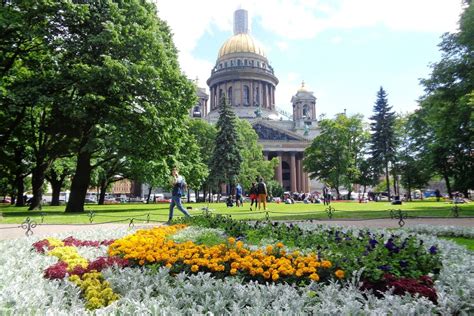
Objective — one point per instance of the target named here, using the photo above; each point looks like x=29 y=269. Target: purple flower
x=403 y=263
x=433 y=250
x=385 y=267
x=373 y=242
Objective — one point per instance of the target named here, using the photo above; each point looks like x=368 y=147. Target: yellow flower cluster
x=54 y=242
x=69 y=255
x=95 y=289
x=151 y=246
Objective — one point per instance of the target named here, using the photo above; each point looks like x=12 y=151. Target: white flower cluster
x=444 y=231
x=24 y=291
x=192 y=233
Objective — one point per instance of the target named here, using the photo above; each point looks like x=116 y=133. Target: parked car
x=5 y=200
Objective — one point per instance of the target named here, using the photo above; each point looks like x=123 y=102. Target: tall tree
x=382 y=142
x=125 y=86
x=334 y=154
x=226 y=159
x=253 y=162
x=446 y=110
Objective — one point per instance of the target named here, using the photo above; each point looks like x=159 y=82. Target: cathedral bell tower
x=304 y=109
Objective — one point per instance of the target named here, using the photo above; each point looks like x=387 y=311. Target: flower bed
x=149 y=287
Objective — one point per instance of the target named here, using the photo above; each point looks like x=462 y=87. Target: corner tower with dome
x=244 y=76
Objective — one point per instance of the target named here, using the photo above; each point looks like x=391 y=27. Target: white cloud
x=283 y=46
x=336 y=40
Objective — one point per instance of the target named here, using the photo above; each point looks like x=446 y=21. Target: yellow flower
x=269 y=249
x=326 y=264
x=194 y=268
x=340 y=274
x=231 y=240
x=266 y=275
x=275 y=276
x=314 y=277
x=233 y=271
x=280 y=245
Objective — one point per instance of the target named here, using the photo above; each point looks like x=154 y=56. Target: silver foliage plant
x=24 y=291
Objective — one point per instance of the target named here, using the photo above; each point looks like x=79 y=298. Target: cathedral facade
x=244 y=76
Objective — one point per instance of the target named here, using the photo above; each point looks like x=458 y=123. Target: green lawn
x=299 y=211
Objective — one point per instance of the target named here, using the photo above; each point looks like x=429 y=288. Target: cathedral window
x=245 y=62
x=239 y=62
x=246 y=96
x=305 y=111
x=258 y=64
x=257 y=96
x=229 y=95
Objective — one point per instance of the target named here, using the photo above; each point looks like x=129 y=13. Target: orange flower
x=275 y=276
x=231 y=240
x=340 y=274
x=280 y=245
x=314 y=277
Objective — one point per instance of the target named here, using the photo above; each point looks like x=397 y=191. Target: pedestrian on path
x=179 y=186
x=262 y=194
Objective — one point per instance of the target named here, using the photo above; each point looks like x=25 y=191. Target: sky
x=344 y=50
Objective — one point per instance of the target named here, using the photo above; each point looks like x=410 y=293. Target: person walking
x=325 y=195
x=238 y=195
x=179 y=186
x=262 y=194
x=253 y=195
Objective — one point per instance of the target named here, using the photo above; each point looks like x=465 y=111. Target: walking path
x=10 y=231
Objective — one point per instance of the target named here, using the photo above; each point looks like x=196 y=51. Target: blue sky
x=344 y=50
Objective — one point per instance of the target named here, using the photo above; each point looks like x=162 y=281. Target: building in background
x=244 y=76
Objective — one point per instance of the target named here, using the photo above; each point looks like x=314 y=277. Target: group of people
x=258 y=193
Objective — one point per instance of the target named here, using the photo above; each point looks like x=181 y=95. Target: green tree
x=382 y=142
x=57 y=175
x=413 y=165
x=205 y=136
x=226 y=158
x=446 y=110
x=334 y=155
x=254 y=163
x=126 y=94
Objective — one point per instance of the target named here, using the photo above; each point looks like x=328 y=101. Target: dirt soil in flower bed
x=10 y=231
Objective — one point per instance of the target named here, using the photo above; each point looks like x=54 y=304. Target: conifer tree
x=382 y=142
x=226 y=159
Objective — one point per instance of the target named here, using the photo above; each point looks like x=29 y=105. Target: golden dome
x=302 y=89
x=241 y=43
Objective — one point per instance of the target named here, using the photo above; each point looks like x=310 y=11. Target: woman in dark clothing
x=253 y=195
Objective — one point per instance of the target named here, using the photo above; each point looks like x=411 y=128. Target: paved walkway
x=9 y=231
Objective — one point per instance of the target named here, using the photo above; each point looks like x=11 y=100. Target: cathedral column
x=279 y=171
x=264 y=95
x=298 y=173
x=293 y=172
x=241 y=93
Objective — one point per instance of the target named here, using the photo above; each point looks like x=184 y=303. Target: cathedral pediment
x=266 y=131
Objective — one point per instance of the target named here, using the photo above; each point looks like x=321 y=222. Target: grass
x=466 y=242
x=159 y=212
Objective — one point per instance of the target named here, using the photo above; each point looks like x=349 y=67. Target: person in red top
x=253 y=195
x=262 y=194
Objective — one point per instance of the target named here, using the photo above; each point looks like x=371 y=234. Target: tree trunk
x=80 y=183
x=56 y=186
x=19 y=183
x=37 y=181
x=149 y=195
x=387 y=178
x=103 y=188
x=20 y=189
x=349 y=193
x=395 y=193
x=448 y=185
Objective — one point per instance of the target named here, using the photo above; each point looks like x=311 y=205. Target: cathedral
x=243 y=74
